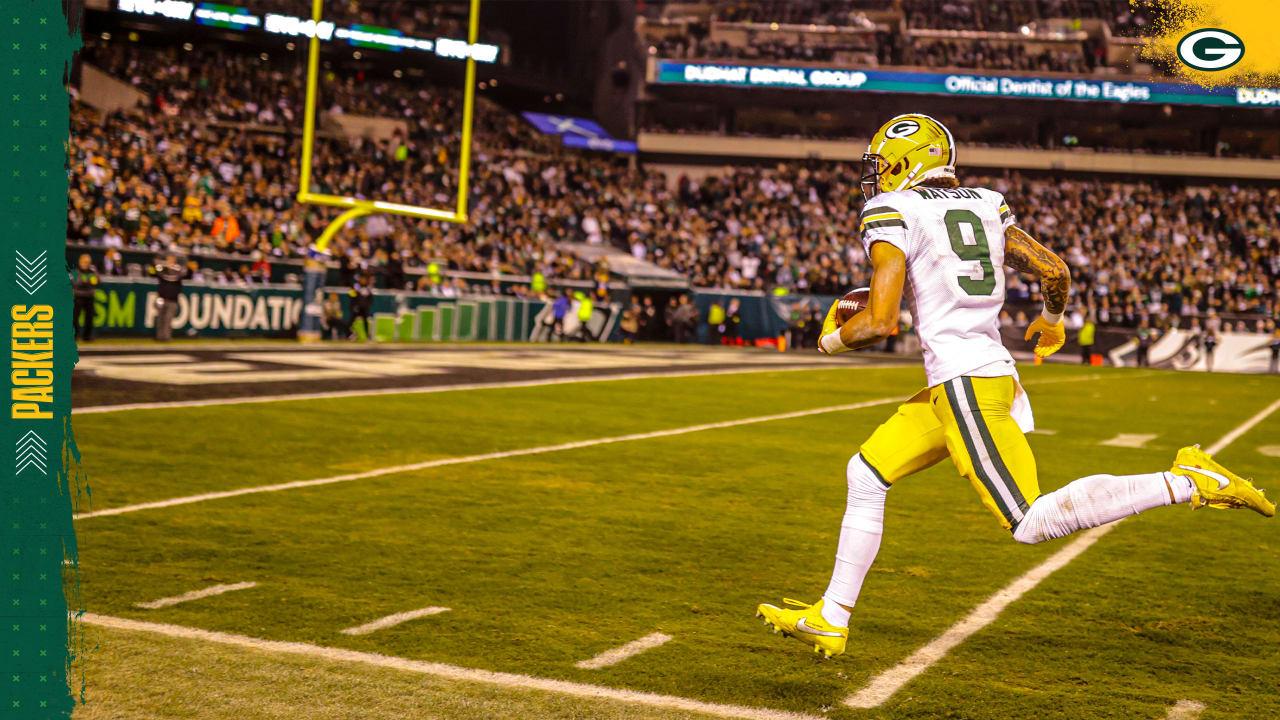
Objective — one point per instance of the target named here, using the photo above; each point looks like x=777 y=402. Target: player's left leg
x=909 y=441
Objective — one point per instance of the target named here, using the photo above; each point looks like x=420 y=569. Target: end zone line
x=622 y=652
x=880 y=688
x=419 y=389
x=442 y=462
x=448 y=672
x=393 y=620
x=195 y=595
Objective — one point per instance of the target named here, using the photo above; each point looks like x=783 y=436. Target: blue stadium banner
x=578 y=132
x=41 y=646
x=565 y=125
x=605 y=144
x=1003 y=86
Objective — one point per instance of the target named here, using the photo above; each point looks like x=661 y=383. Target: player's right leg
x=990 y=449
x=1195 y=478
x=906 y=443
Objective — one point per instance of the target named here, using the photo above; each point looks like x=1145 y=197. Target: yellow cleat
x=806 y=625
x=1218 y=487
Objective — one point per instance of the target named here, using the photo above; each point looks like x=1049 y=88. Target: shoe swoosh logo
x=1223 y=481
x=801 y=626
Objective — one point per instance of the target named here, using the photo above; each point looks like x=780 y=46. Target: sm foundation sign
x=129 y=308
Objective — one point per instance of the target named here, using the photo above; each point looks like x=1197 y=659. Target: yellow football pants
x=968 y=419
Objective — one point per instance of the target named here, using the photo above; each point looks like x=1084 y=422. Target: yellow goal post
x=356 y=207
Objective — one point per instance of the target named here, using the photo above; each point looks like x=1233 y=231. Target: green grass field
x=547 y=559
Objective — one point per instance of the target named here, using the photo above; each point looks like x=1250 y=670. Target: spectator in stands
x=733 y=321
x=335 y=321
x=650 y=321
x=261 y=268
x=716 y=323
x=684 y=319
x=395 y=270
x=226 y=228
x=1145 y=336
x=362 y=305
x=1086 y=337
x=630 y=323
x=559 y=310
x=84 y=284
x=1210 y=345
x=113 y=262
x=586 y=308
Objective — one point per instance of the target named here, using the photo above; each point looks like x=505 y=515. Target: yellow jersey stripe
x=882 y=216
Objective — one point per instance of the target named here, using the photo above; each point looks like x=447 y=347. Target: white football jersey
x=954 y=243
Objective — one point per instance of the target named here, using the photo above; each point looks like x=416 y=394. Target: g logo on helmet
x=902 y=129
x=1210 y=49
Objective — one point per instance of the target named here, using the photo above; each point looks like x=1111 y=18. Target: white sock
x=860 y=532
x=1181 y=486
x=1097 y=500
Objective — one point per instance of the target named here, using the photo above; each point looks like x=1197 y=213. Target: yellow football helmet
x=905 y=151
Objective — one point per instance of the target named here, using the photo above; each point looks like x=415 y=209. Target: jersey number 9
x=979 y=250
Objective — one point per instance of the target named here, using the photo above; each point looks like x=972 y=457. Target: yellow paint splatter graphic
x=1255 y=22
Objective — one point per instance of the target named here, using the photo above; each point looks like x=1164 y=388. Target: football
x=853 y=302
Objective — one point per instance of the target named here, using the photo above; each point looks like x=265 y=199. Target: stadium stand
x=1062 y=36
x=204 y=168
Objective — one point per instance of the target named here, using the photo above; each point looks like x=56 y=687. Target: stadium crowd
x=1140 y=250
x=690 y=47
x=898 y=46
x=1124 y=17
x=165 y=178
x=996 y=56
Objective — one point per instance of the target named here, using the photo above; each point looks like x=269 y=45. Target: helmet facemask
x=873 y=166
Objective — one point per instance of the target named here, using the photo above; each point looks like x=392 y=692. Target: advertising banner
x=129 y=308
x=228 y=17
x=1002 y=86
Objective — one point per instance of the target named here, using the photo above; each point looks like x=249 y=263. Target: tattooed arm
x=1024 y=254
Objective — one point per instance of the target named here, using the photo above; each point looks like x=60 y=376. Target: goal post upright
x=468 y=109
x=305 y=195
x=315 y=267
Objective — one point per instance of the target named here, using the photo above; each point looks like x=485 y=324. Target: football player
x=944 y=245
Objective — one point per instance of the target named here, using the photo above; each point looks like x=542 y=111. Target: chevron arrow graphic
x=31 y=273
x=31 y=451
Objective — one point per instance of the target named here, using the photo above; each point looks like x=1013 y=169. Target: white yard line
x=1185 y=710
x=442 y=462
x=1243 y=428
x=449 y=672
x=618 y=654
x=1130 y=440
x=195 y=595
x=418 y=389
x=392 y=620
x=882 y=687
